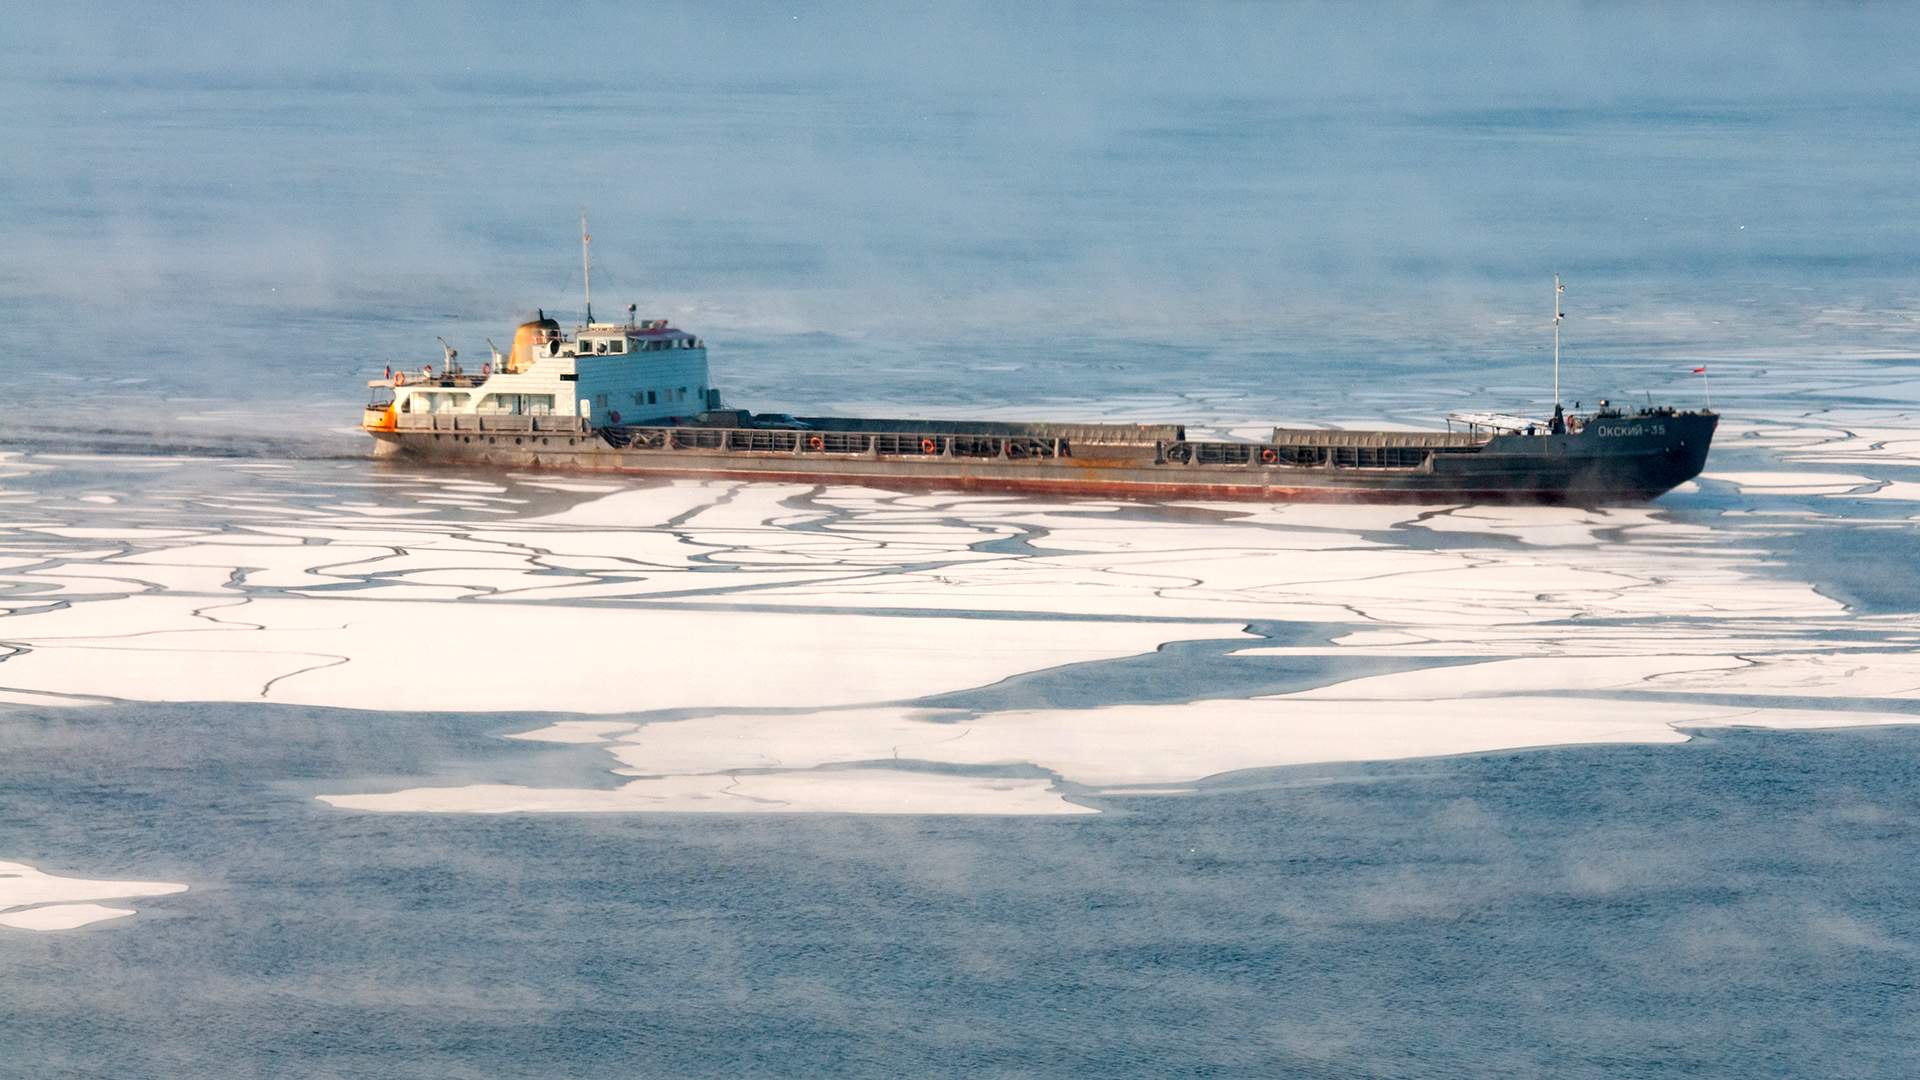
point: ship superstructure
(603, 374)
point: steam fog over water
(1041, 211)
(313, 766)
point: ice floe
(792, 648)
(1799, 483)
(830, 791)
(797, 763)
(31, 899)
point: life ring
(1268, 456)
(614, 416)
(928, 446)
(399, 378)
(815, 442)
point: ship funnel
(530, 342)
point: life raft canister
(928, 446)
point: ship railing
(1103, 435)
(1384, 454)
(1285, 456)
(1215, 453)
(511, 423)
(903, 444)
(760, 441)
(1034, 448)
(803, 441)
(1496, 424)
(1426, 440)
(975, 446)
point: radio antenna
(1559, 290)
(586, 264)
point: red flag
(1699, 371)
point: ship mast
(1558, 290)
(586, 265)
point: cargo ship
(636, 397)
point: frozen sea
(312, 766)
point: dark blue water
(1738, 906)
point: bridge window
(617, 346)
(517, 404)
(441, 403)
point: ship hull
(1611, 461)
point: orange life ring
(928, 446)
(1268, 456)
(815, 442)
(399, 378)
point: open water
(1736, 906)
(217, 228)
